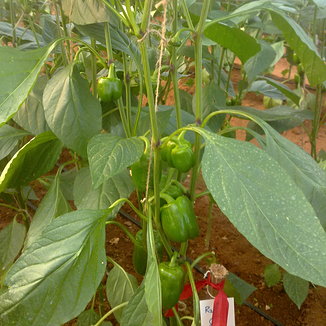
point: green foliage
(120, 287)
(34, 159)
(18, 71)
(109, 155)
(296, 288)
(75, 263)
(12, 239)
(272, 275)
(71, 111)
(261, 211)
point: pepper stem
(173, 259)
(167, 198)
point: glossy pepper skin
(109, 88)
(182, 157)
(139, 173)
(139, 255)
(178, 153)
(178, 220)
(172, 281)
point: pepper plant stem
(198, 85)
(174, 70)
(153, 119)
(195, 294)
(121, 305)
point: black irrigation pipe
(202, 271)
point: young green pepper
(177, 152)
(178, 219)
(139, 172)
(172, 281)
(109, 88)
(139, 255)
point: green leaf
(272, 275)
(52, 205)
(238, 288)
(25, 34)
(262, 87)
(85, 12)
(120, 287)
(152, 279)
(71, 111)
(31, 114)
(279, 50)
(136, 313)
(89, 318)
(11, 239)
(67, 180)
(296, 288)
(303, 169)
(302, 44)
(163, 115)
(260, 62)
(109, 155)
(34, 159)
(57, 275)
(233, 38)
(120, 41)
(265, 205)
(86, 197)
(9, 138)
(18, 73)
(283, 89)
(276, 113)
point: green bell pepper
(172, 282)
(177, 152)
(109, 88)
(178, 219)
(139, 172)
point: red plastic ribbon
(221, 304)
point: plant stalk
(198, 85)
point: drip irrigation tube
(202, 271)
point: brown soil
(232, 250)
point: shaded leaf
(57, 275)
(18, 73)
(85, 12)
(11, 239)
(31, 114)
(52, 205)
(283, 89)
(260, 62)
(136, 313)
(120, 287)
(86, 197)
(109, 155)
(272, 275)
(152, 279)
(238, 288)
(304, 47)
(9, 138)
(71, 111)
(233, 38)
(34, 159)
(296, 288)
